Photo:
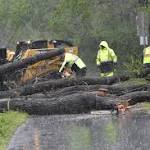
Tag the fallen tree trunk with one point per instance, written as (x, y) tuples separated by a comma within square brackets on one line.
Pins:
[(136, 97), (81, 102), (71, 104), (12, 67), (121, 89), (117, 89), (68, 91), (62, 83), (58, 84)]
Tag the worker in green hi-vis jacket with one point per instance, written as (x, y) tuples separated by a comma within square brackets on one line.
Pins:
[(146, 57), (106, 60)]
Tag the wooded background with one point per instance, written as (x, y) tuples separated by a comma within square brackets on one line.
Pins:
[(83, 22)]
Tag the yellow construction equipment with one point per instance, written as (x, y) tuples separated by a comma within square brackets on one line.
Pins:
[(27, 49), (6, 55), (10, 54)]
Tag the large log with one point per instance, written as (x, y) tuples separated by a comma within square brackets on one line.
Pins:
[(78, 102), (136, 97), (58, 84), (71, 104), (12, 67), (68, 91), (121, 89), (62, 83), (116, 89)]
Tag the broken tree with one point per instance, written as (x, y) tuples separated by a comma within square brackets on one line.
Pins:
[(70, 104), (12, 67), (58, 84)]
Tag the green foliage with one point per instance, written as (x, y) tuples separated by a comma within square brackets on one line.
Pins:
[(84, 22), (71, 19), (134, 65), (9, 121)]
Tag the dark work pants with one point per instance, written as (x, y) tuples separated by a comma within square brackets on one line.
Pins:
[(79, 72)]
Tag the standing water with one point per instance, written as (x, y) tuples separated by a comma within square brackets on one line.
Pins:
[(84, 132)]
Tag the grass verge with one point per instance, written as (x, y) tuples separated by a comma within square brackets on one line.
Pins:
[(9, 121)]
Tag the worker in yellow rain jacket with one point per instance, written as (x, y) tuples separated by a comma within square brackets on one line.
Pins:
[(106, 60), (146, 57), (75, 63)]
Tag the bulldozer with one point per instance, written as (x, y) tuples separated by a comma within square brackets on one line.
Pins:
[(25, 49)]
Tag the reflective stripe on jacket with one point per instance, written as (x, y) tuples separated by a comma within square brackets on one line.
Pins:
[(70, 59), (146, 54)]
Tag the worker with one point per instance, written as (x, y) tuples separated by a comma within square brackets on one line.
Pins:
[(74, 63), (106, 60), (146, 57)]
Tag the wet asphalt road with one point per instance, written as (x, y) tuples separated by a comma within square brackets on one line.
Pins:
[(84, 132)]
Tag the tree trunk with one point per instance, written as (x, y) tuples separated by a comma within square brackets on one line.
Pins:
[(58, 84), (136, 97), (71, 104), (121, 89), (12, 67)]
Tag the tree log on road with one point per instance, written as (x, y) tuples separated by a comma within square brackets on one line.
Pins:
[(58, 84), (137, 97), (71, 104), (116, 89), (71, 96), (121, 89), (79, 102)]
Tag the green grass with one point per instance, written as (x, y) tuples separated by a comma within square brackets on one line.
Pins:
[(9, 121), (134, 65)]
